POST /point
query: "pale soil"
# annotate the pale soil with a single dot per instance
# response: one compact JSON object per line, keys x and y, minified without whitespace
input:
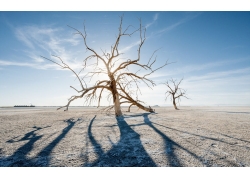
{"x":192,"y":136}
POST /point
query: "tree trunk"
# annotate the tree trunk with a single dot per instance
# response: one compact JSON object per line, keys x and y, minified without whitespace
{"x":149,"y":109}
{"x":175,"y":104}
{"x":117,"y":105}
{"x":116,"y":100}
{"x":130,"y":107}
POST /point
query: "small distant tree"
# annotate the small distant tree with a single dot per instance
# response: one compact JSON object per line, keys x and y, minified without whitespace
{"x":112,"y":72}
{"x":175,"y":92}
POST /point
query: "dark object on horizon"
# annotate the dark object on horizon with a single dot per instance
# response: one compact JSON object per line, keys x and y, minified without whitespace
{"x":24,"y":106}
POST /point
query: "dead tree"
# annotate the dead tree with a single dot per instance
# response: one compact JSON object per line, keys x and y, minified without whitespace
{"x":113,"y":72}
{"x":175,"y":92}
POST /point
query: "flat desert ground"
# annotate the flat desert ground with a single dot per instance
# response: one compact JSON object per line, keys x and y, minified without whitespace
{"x":190,"y":137}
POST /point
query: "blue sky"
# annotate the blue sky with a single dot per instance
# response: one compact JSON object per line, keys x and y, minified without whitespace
{"x":210,"y":50}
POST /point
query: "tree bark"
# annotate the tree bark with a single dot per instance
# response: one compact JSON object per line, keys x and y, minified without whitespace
{"x":116,"y":100}
{"x":149,"y":109}
{"x":175,"y":104}
{"x":117,"y":105}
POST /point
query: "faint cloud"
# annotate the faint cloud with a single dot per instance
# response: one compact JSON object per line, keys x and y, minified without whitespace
{"x":173,"y":26}
{"x":154,"y":20}
{"x":33,"y":55}
{"x":214,"y":75}
{"x":127,"y":48}
{"x":28,"y":64}
{"x":33,"y":36}
{"x":230,"y":84}
{"x":73,"y":41}
{"x":199,"y":67}
{"x":21,"y":36}
{"x":156,"y":16}
{"x":42,"y":40}
{"x":8,"y":63}
{"x":46,"y":38}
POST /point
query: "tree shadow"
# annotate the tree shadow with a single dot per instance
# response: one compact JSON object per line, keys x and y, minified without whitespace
{"x":206,"y":137}
{"x":19,"y":157}
{"x":169,"y":145}
{"x":127,"y":152}
{"x":202,"y":159}
{"x":49,"y":148}
{"x":44,"y":154}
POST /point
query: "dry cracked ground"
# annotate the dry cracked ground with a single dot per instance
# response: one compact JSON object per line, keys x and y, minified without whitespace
{"x":192,"y":136}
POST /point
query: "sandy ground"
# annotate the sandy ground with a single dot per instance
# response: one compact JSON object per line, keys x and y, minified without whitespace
{"x":192,"y":136}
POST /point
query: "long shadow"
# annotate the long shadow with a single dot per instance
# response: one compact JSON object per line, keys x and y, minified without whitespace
{"x":166,"y":139}
{"x":205,"y":137}
{"x":127,"y":152}
{"x":19,"y":157}
{"x":214,"y":139}
{"x":97,"y":147}
{"x":48,"y":149}
{"x":169,"y":145}
{"x":43,"y":155}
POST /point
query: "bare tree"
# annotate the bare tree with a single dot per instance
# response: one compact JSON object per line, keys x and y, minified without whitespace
{"x":175,"y":92}
{"x":114,"y":71}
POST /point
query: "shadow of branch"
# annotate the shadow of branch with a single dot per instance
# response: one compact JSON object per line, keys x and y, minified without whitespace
{"x":127,"y":152}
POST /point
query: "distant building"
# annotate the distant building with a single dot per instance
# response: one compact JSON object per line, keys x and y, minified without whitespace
{"x":24,"y":105}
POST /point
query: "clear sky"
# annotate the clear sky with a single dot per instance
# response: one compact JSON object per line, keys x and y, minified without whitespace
{"x":211,"y":51}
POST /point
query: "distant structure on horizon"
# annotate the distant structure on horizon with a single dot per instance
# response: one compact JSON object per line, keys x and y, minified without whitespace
{"x":24,"y":106}
{"x":156,"y":106}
